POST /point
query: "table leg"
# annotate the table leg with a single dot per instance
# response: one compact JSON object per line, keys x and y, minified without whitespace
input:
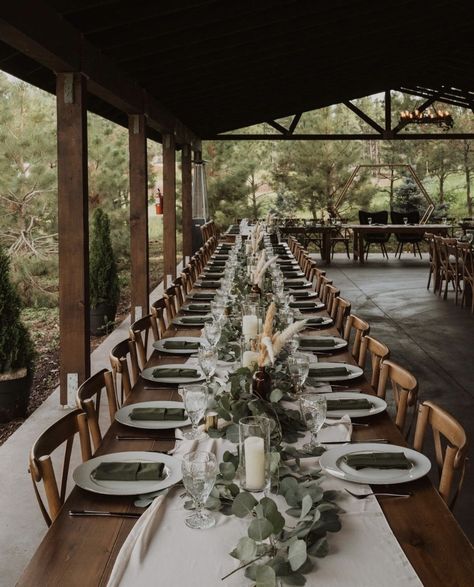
{"x":355,"y":245}
{"x":361,"y":247}
{"x":326,"y":252}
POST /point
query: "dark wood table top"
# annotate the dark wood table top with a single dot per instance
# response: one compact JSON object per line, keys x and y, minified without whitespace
{"x":81,"y":551}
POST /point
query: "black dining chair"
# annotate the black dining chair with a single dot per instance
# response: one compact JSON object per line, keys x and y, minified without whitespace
{"x":413,"y":217}
{"x":375,"y":239}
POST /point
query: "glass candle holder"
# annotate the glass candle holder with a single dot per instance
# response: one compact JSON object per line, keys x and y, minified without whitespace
{"x":254,"y":453}
{"x":251,"y":320}
{"x":248,"y":352}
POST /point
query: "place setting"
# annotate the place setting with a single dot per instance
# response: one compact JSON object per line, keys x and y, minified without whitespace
{"x":178,"y":345}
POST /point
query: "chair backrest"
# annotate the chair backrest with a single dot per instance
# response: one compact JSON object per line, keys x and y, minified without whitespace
{"x":343,"y":309}
{"x":450,"y":459}
{"x":171,"y":299}
{"x":125,"y":368}
{"x":412,"y":216}
{"x":405,"y":392}
{"x":180,"y":293}
{"x":380,"y":217}
{"x":331,"y":293}
{"x":318,"y":280}
{"x":41,"y":466}
{"x":377,"y":352}
{"x":88,"y":398}
{"x":358,"y":328}
{"x":187,"y":280}
{"x":466,"y":254}
{"x":323,"y":292}
{"x":141,"y":332}
{"x":159,"y":312}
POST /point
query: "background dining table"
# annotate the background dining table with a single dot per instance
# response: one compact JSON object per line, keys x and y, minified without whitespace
{"x":81,"y":551}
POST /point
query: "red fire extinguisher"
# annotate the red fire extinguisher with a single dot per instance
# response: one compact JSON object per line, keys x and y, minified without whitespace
{"x":158,"y":202}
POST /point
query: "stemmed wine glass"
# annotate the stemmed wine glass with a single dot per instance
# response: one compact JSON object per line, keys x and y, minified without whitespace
{"x":313,"y":410}
{"x":218,"y":311}
{"x":199,"y":475}
{"x":207,"y":357}
{"x":195,"y":403}
{"x":298,"y":366}
{"x":212,"y":332}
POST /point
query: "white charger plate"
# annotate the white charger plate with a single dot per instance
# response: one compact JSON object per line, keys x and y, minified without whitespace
{"x":332,"y":462}
{"x":159,"y":345}
{"x":186,"y":308}
{"x":83,"y":478}
{"x":355,"y":371}
{"x":205,"y":317}
{"x":340,"y":343}
{"x":378,"y":404}
{"x":148,"y":374}
{"x":123,"y":416}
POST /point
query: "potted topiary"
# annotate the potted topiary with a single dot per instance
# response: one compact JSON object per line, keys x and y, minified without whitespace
{"x":103,"y":280}
{"x":16,"y":350}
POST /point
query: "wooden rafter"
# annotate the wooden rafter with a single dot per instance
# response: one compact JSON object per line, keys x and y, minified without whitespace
{"x":364,"y":116}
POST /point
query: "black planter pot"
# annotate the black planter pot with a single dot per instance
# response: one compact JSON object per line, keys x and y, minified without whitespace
{"x":102,"y":319}
{"x":14,"y":394}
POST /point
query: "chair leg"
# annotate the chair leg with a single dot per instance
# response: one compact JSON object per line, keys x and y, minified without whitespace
{"x":384,"y":250}
{"x":367,"y":247}
{"x":429,"y":277}
{"x":347,"y":250}
{"x":419,"y":250}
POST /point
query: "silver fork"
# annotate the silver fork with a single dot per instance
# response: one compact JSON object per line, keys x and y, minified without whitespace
{"x":365,"y":495}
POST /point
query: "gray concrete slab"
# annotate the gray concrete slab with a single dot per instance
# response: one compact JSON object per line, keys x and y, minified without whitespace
{"x":431,"y":337}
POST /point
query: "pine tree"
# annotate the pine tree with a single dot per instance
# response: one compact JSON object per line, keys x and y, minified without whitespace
{"x":408,"y":197}
{"x":103,"y":281}
{"x":16,"y":348}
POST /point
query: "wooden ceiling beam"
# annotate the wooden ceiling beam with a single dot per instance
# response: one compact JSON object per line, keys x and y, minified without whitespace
{"x":362,"y":115}
{"x":338,"y":137}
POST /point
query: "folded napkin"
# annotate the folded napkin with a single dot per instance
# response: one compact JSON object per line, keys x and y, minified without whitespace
{"x":173,"y":372}
{"x":158,"y":414}
{"x":204,"y":296}
{"x":216,"y":264}
{"x":128,"y":471}
{"x":199,"y":307}
{"x":378,"y":460}
{"x":328,"y":372}
{"x":284,"y":257}
{"x":221,"y":257}
{"x":295,"y":283}
{"x":285,"y":266}
{"x":209,"y":283}
{"x":195,"y":319}
{"x":302,"y":305}
{"x":290,"y":274}
{"x":317,"y":342}
{"x":181,"y":345}
{"x":315,"y":320}
{"x":349,"y":404}
{"x":213,"y":275}
{"x":301,"y":294}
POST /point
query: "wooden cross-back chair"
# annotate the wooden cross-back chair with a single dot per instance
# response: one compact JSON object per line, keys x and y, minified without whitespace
{"x":433,"y":261}
{"x":357,"y":328}
{"x":41,"y":466}
{"x":141,"y":332}
{"x":465,"y":251}
{"x":448,"y":267}
{"x":186,"y":280}
{"x":125,"y":368}
{"x":322,"y":290}
{"x":319,"y":274}
{"x":179,"y":291}
{"x":171,"y":298}
{"x":377,"y":352}
{"x":331,"y":292}
{"x":405,"y":393}
{"x":313,"y":268}
{"x":340,"y":311}
{"x":88,"y":398}
{"x":159,"y":311}
{"x":451,"y":458}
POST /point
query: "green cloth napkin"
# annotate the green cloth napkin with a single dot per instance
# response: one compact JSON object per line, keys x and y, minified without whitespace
{"x":181,"y":345}
{"x":316,"y":320}
{"x":284,"y":257}
{"x":158,"y":414}
{"x":302,"y":305}
{"x":328,"y":372}
{"x":209,"y":283}
{"x":349,"y":404}
{"x":128,"y":471}
{"x":213,"y":275}
{"x":221,"y":257}
{"x":175,"y":372}
{"x":301,"y":294}
{"x":199,"y":307}
{"x":317,"y":342}
{"x":195,"y":319}
{"x":291,"y":273}
{"x":203,"y":296}
{"x":216,"y":264}
{"x":295,"y":283}
{"x":378,"y":460}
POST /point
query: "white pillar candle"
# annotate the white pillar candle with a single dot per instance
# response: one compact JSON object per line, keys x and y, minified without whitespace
{"x":249,"y":358}
{"x":248,"y":248}
{"x":250,"y":326}
{"x":254,"y":463}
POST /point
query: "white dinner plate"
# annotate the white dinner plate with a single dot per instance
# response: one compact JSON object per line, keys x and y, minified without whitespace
{"x":205,"y":318}
{"x":378,"y":404}
{"x":159,"y":345}
{"x":123,"y":416}
{"x":315,"y":346}
{"x":354,"y":371}
{"x":316,"y":305}
{"x":148,"y":374}
{"x":202,"y":310}
{"x":82,"y":475}
{"x":333,"y":462}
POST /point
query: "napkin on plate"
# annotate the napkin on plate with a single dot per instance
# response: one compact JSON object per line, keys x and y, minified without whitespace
{"x":361,"y":403}
{"x":199,"y":307}
{"x":181,"y":345}
{"x":295,"y":283}
{"x":303,"y":305}
{"x":289,"y":274}
{"x":128,"y":471}
{"x":314,"y":320}
{"x":301,"y":294}
{"x":325,"y":342}
{"x":329,"y":372}
{"x":378,"y":460}
{"x":172,"y":373}
{"x":158,"y":414}
{"x":209,"y":283}
{"x":203,"y":296}
{"x":194,"y":319}
{"x":213,"y":275}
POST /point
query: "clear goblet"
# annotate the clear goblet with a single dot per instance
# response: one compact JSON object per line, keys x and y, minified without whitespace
{"x":212,"y":332}
{"x":313,"y":411}
{"x":199,"y":475}
{"x":207,"y":357}
{"x":195,"y":399}
{"x":298,"y":366}
{"x":218,"y":310}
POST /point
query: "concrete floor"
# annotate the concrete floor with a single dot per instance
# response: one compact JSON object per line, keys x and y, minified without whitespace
{"x":432,"y":338}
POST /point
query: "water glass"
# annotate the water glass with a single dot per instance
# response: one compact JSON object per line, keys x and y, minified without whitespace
{"x":212,"y":332}
{"x":313,"y":411}
{"x":218,"y":310}
{"x":298,"y":366}
{"x":199,"y":475}
{"x":369,"y":220}
{"x":207,"y":357}
{"x":405,"y":220}
{"x":195,"y":403}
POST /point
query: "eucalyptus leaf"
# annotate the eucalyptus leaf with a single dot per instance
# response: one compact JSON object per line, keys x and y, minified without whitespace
{"x":297,"y":554}
{"x":243,"y":504}
{"x":306,"y":505}
{"x":232,"y":433}
{"x":276,"y":395}
{"x":320,"y":548}
{"x":260,"y":529}
{"x":245,"y":550}
{"x":265,"y":577}
{"x":294,"y":579}
{"x":227,"y":470}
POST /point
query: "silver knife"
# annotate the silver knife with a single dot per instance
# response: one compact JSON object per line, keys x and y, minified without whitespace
{"x":380,"y":440}
{"x":102,"y":514}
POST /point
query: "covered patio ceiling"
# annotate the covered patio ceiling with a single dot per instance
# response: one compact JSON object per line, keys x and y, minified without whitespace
{"x":219,"y":66}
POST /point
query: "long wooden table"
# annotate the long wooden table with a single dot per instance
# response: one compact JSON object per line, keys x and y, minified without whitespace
{"x":81,"y":551}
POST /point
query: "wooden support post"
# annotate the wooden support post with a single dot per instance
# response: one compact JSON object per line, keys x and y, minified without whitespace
{"x":73,"y":228}
{"x":388,"y":112}
{"x":169,"y":208}
{"x":138,"y":216}
{"x":187,"y":201}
